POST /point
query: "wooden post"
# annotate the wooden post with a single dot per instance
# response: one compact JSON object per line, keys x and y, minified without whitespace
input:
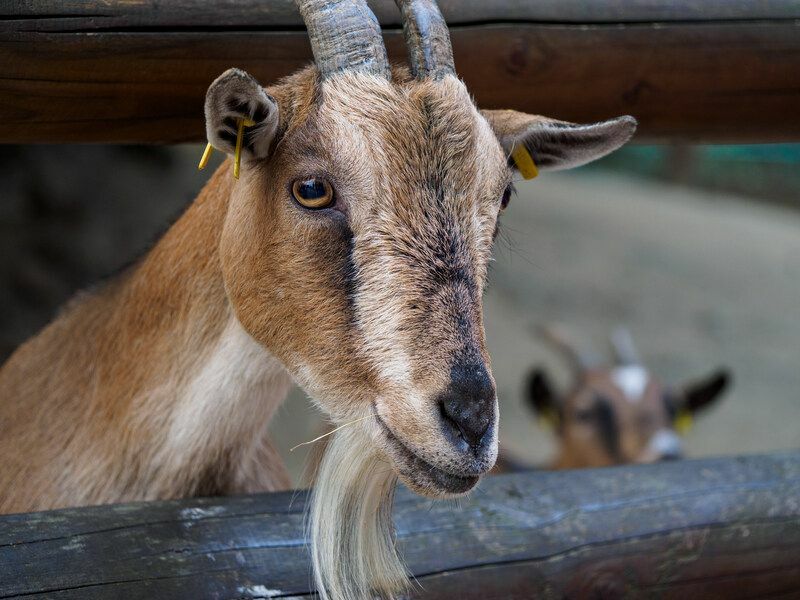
{"x":718,"y":70}
{"x":720,"y":528}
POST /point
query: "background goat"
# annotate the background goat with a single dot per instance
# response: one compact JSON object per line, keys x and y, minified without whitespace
{"x":614,"y":414}
{"x":350,"y":256}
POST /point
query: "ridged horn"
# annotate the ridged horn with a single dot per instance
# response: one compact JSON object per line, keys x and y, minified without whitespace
{"x":427,"y":38}
{"x":345,"y":36}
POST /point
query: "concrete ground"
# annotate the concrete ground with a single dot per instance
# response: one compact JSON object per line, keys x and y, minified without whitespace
{"x":701,"y":280}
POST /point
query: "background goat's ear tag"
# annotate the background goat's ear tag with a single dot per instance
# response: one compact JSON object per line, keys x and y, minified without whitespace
{"x":524,"y":161}
{"x":683,"y":422}
{"x":548,"y":419}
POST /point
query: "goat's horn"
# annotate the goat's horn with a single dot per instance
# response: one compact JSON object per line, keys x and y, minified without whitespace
{"x":345,"y":36}
{"x":427,"y":39}
{"x":579,"y":361}
{"x":624,"y":348}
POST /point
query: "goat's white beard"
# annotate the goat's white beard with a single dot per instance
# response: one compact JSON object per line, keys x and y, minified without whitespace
{"x":351,"y":531}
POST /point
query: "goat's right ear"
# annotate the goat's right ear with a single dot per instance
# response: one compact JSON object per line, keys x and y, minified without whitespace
{"x":701,"y":394}
{"x":554,"y":145}
{"x":539,"y":395}
{"x":237,"y":95}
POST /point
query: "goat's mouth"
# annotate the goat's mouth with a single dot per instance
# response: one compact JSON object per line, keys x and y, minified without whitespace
{"x":418,"y":474}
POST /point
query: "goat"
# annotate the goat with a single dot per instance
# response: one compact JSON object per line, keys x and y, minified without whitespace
{"x":349,"y":256}
{"x":615,"y":414}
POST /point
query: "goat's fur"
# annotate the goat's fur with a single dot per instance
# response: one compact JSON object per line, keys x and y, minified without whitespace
{"x":351,"y":523}
{"x":161,"y":383}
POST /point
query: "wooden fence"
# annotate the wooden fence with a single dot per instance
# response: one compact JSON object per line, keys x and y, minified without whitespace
{"x":719,"y":528}
{"x":98,"y":71}
{"x":132,"y":72}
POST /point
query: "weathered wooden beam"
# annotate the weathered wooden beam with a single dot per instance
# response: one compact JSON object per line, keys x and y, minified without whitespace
{"x":721,"y":528}
{"x":94,"y":71}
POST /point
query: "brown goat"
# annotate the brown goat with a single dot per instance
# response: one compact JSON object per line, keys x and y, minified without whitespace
{"x":350,"y":257}
{"x":616,"y":414}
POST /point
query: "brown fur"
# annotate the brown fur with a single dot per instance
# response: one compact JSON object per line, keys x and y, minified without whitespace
{"x":161,"y":383}
{"x":615,"y":414}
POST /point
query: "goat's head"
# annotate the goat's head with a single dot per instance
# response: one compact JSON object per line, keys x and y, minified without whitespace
{"x":357,"y":240}
{"x":618,"y":414}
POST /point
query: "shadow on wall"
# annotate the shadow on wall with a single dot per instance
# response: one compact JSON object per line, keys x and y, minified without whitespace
{"x":73,"y":215}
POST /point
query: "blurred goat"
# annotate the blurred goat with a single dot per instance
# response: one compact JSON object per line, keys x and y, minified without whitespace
{"x":616,"y":414}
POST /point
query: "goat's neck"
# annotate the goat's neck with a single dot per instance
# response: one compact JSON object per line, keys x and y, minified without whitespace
{"x":216,"y":388}
{"x":170,"y":396}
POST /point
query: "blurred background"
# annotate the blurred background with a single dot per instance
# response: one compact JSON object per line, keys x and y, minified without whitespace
{"x":696,"y":249}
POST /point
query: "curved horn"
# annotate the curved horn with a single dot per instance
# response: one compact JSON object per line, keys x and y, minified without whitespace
{"x":624,"y":348}
{"x":345,"y":36}
{"x":579,"y":361}
{"x":427,"y":38}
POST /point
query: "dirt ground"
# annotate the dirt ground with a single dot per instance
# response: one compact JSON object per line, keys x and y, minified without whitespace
{"x":701,"y":280}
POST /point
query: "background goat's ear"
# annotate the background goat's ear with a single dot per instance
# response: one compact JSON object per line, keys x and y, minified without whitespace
{"x":700,"y":394}
{"x":237,"y":95}
{"x":540,"y":396}
{"x":555,"y":145}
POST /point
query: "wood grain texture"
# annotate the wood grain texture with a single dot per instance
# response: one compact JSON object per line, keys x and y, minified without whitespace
{"x":134,"y":72}
{"x":257,"y":14}
{"x":720,"y":528}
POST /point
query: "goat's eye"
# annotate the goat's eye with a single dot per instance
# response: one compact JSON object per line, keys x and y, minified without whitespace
{"x":313,"y":193}
{"x":506,"y":197}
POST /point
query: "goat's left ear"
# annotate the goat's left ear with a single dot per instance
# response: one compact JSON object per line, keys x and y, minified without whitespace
{"x":700,"y":394}
{"x":233,"y":96}
{"x":541,"y":397}
{"x":556,"y":145}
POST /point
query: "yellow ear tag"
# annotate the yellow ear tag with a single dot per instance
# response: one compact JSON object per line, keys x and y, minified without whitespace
{"x":205,"y":157}
{"x":548,"y":419}
{"x":524,"y":161}
{"x":237,"y":156}
{"x":683,"y":422}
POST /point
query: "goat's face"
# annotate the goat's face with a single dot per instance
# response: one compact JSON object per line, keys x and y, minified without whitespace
{"x":357,"y":242}
{"x":620,"y":415}
{"x":378,"y":293}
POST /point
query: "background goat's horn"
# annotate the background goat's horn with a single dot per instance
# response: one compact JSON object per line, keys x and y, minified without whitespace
{"x":427,"y":38}
{"x":345,"y":36}
{"x":624,"y":349}
{"x":579,"y":361}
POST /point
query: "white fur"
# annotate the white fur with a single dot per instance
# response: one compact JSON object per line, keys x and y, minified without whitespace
{"x":350,"y":523}
{"x":228,"y":403}
{"x":664,"y":442}
{"x":632,"y":380}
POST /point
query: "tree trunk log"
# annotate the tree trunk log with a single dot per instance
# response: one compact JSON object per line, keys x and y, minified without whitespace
{"x":718,"y":528}
{"x":133,"y":72}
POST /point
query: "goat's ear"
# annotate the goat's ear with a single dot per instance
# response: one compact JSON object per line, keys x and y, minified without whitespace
{"x":700,"y":394}
{"x":236,"y":95}
{"x":556,"y":145}
{"x":539,"y":395}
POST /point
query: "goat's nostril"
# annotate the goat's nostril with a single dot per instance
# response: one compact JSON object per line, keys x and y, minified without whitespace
{"x":470,"y":426}
{"x":468,"y":403}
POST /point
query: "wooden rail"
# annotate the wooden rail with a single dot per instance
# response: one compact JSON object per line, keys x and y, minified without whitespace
{"x":721,"y":528}
{"x":98,"y":71}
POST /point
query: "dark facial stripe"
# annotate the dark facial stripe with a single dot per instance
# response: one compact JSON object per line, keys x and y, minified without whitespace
{"x":607,"y":426}
{"x":350,"y":274}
